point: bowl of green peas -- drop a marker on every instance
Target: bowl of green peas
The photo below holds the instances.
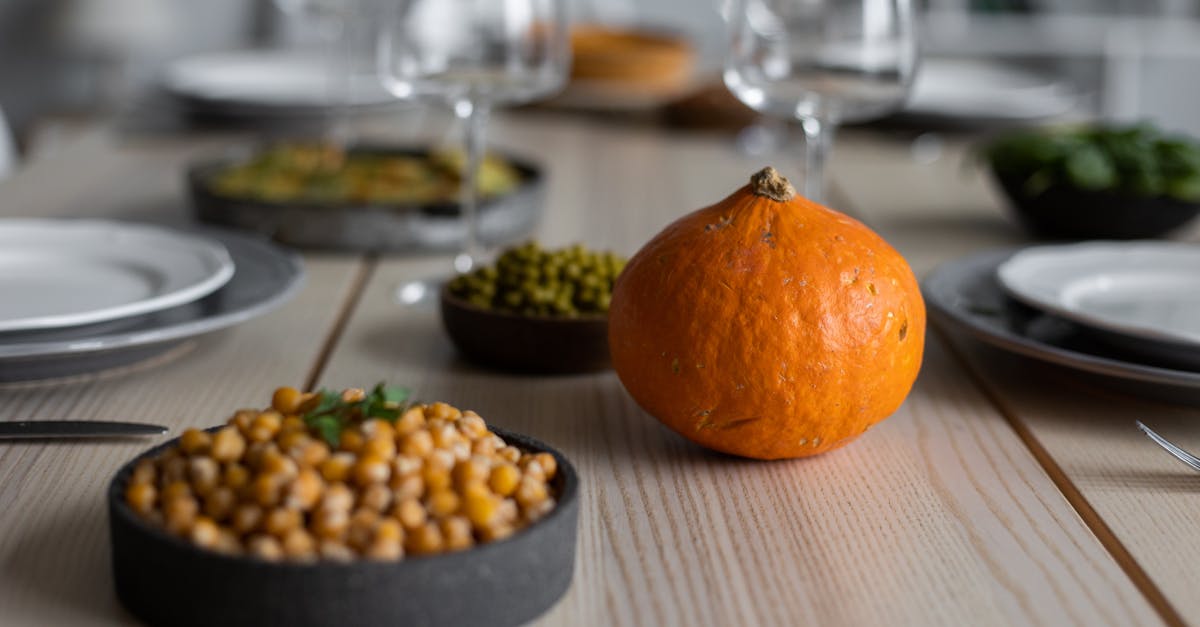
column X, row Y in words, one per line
column 534, row 310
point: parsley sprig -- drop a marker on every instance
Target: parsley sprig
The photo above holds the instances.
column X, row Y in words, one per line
column 330, row 414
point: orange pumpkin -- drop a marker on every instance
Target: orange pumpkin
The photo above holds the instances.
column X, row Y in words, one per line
column 767, row 325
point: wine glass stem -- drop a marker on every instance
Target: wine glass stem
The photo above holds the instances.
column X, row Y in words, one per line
column 475, row 115
column 818, row 136
column 337, row 80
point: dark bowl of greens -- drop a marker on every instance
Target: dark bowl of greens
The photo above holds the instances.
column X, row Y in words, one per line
column 1098, row 182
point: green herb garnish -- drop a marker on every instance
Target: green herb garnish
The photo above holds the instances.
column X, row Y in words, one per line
column 1136, row 160
column 331, row 414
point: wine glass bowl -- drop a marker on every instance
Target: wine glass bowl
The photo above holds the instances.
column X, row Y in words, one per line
column 473, row 55
column 822, row 62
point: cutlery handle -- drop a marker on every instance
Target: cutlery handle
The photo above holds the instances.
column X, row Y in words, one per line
column 26, row 429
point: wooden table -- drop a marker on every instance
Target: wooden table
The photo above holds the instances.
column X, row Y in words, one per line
column 1001, row 493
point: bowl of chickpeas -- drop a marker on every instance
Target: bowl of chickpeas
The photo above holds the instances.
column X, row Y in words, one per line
column 535, row 310
column 353, row 507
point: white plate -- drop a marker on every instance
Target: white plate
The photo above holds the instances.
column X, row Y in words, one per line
column 962, row 88
column 273, row 79
column 58, row 273
column 1144, row 290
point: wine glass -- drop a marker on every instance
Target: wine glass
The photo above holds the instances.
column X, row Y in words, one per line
column 473, row 55
column 823, row 62
column 332, row 19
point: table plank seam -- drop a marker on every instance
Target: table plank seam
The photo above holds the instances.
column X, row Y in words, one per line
column 358, row 284
column 1088, row 514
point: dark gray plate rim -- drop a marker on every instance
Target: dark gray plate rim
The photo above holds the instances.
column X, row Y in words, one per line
column 185, row 321
column 946, row 293
column 456, row 559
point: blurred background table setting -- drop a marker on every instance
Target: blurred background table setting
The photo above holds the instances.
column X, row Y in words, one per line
column 201, row 202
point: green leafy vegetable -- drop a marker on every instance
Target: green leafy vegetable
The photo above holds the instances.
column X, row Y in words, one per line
column 331, row 413
column 1137, row 160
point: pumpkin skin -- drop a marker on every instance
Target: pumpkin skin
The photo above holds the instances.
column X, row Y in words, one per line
column 767, row 326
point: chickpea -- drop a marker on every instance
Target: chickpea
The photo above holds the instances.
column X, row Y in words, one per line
column 175, row 469
column 141, row 497
column 176, row 489
column 504, row 478
column 510, row 454
column 305, row 490
column 496, row 532
column 205, row 474
column 443, row 411
column 412, row 421
column 456, row 533
column 274, row 462
column 243, row 418
column 473, row 470
column 436, row 478
column 310, row 453
column 471, row 425
column 246, row 518
column 298, row 544
column 205, row 532
column 286, row 400
column 265, row 548
column 264, row 426
column 352, row 441
column 195, row 442
column 530, row 492
column 330, row 523
column 442, row 503
column 383, row 448
column 227, row 445
column 235, row 476
column 424, row 539
column 267, row 489
column 445, row 435
column 417, row 444
column 219, row 503
column 377, row 429
column 353, row 395
column 548, row 464
column 144, row 472
column 335, row 551
column 410, row 487
column 371, row 469
column 377, row 496
column 410, row 513
column 338, row 466
column 180, row 513
column 531, row 467
column 405, row 465
column 279, row 522
column 483, row 446
column 480, row 508
column 338, row 496
column 362, row 528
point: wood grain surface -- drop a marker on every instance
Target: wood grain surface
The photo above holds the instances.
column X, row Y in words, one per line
column 943, row 514
column 1142, row 502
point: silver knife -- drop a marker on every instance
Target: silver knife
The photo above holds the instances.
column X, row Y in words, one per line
column 26, row 429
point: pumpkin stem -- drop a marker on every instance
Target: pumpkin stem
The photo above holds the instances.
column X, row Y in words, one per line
column 768, row 182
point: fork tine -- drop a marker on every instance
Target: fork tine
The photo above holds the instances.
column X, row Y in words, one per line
column 1180, row 454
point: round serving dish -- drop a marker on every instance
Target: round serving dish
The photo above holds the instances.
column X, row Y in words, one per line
column 166, row 580
column 1064, row 212
column 535, row 344
column 368, row 227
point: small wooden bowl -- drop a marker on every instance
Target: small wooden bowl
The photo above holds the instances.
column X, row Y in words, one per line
column 535, row 344
column 165, row 580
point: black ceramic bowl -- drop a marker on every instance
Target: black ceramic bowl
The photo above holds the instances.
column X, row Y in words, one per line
column 534, row 344
column 1064, row 212
column 368, row 227
column 164, row 580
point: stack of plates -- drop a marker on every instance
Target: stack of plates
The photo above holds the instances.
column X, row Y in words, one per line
column 81, row 296
column 268, row 81
column 1128, row 312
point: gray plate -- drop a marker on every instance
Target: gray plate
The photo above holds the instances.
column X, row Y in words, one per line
column 965, row 295
column 265, row 277
column 373, row 227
